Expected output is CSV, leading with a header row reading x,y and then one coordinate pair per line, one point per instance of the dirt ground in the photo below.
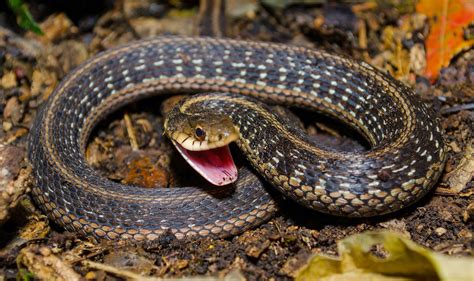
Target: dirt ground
x,y
129,146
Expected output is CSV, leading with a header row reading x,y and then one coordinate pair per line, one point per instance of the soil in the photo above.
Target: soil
x,y
129,146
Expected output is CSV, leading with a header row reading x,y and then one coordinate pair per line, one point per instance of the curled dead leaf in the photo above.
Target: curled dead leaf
x,y
384,256
461,175
45,265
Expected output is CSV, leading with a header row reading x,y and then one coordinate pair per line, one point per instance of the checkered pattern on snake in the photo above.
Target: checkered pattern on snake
x,y
405,160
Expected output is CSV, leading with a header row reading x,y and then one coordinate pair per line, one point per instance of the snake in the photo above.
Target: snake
x,y
238,79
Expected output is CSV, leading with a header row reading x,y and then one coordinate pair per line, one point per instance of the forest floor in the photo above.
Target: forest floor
x,y
388,36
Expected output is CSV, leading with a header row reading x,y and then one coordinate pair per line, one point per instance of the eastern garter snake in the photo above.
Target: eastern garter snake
x,y
405,160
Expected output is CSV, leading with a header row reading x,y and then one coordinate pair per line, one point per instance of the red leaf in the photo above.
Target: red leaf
x,y
447,18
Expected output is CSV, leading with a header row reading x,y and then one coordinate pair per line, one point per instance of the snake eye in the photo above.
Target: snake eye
x,y
200,133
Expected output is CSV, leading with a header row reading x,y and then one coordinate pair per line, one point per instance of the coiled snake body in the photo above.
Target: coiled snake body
x,y
406,157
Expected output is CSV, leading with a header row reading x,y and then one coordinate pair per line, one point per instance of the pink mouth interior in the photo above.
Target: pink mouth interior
x,y
215,165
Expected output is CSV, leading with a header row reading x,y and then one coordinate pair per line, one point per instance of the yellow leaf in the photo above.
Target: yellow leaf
x,y
402,260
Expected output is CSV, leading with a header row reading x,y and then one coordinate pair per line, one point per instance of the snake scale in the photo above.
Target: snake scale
x,y
406,157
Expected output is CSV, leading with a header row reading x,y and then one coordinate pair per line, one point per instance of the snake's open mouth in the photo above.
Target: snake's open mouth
x,y
215,165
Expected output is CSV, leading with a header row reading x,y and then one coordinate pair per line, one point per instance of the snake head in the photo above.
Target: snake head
x,y
197,132
202,140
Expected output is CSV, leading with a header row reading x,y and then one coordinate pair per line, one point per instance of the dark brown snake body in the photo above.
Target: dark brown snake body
x,y
406,157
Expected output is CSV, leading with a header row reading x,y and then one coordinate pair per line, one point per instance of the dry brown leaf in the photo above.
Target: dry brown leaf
x,y
462,174
45,265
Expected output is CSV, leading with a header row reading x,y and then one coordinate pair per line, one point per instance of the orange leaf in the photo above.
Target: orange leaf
x,y
448,18
142,172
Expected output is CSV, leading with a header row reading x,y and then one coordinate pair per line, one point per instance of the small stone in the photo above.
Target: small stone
x,y
7,126
13,110
43,82
9,80
440,231
419,228
256,250
56,27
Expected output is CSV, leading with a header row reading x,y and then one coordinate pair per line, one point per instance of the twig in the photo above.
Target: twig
x,y
131,132
457,108
134,276
116,271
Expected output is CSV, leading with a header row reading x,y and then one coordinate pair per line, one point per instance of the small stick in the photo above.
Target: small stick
x,y
131,132
457,108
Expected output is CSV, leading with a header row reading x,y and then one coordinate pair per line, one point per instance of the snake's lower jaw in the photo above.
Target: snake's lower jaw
x,y
215,165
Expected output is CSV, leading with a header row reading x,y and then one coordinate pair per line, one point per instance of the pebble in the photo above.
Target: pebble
x,y
440,231
7,126
8,80
13,110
